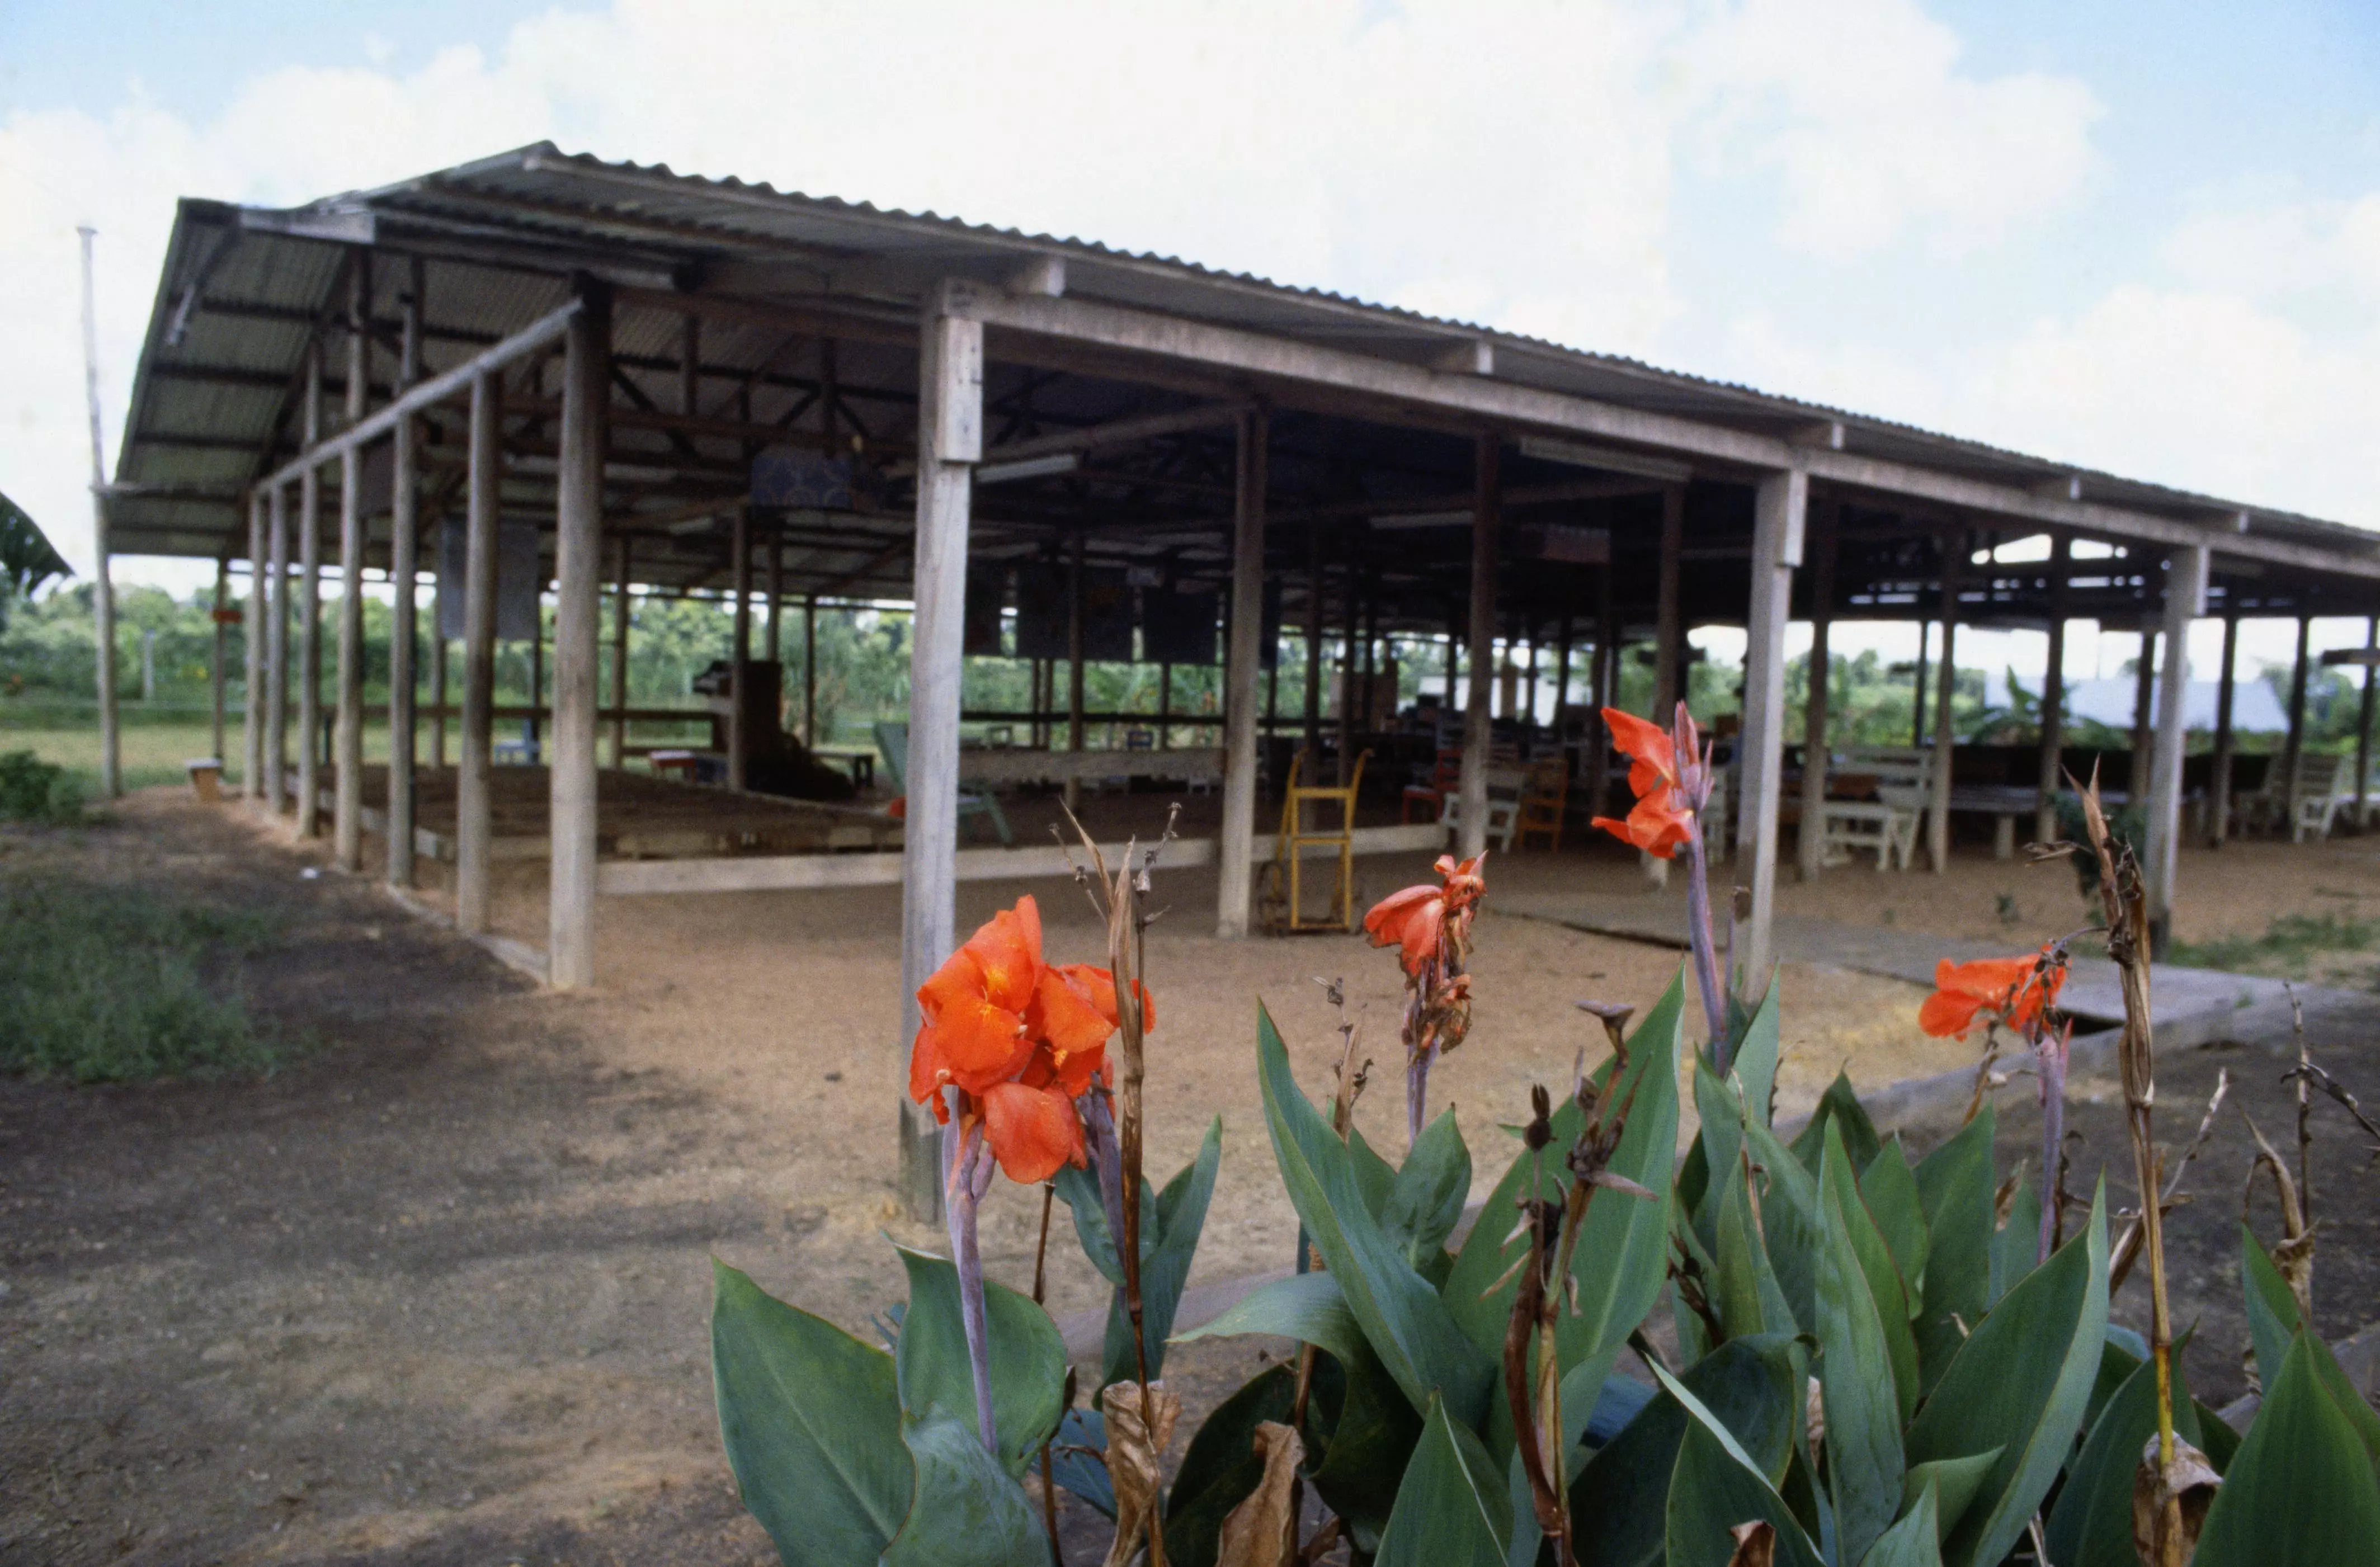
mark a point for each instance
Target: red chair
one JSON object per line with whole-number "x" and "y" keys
{"x": 1445, "y": 778}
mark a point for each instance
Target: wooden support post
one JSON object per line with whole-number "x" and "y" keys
{"x": 218, "y": 678}
{"x": 1779, "y": 512}
{"x": 251, "y": 773}
{"x": 620, "y": 611}
{"x": 577, "y": 623}
{"x": 438, "y": 675}
{"x": 1164, "y": 706}
{"x": 1315, "y": 604}
{"x": 1350, "y": 611}
{"x": 1241, "y": 661}
{"x": 1668, "y": 642}
{"x": 740, "y": 653}
{"x": 2300, "y": 678}
{"x": 1605, "y": 673}
{"x": 2364, "y": 722}
{"x": 2053, "y": 693}
{"x": 2143, "y": 710}
{"x": 348, "y": 783}
{"x": 773, "y": 586}
{"x": 1479, "y": 728}
{"x": 310, "y": 610}
{"x": 1561, "y": 669}
{"x": 1816, "y": 753}
{"x": 473, "y": 824}
{"x": 537, "y": 709}
{"x": 1918, "y": 690}
{"x": 809, "y": 671}
{"x": 949, "y": 442}
{"x": 1075, "y": 570}
{"x": 404, "y": 618}
{"x": 2218, "y": 826}
{"x": 1946, "y": 684}
{"x": 276, "y": 655}
{"x": 103, "y": 603}
{"x": 2185, "y": 596}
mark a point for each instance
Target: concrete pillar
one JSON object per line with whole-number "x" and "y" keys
{"x": 1075, "y": 735}
{"x": 2363, "y": 720}
{"x": 252, "y": 773}
{"x": 276, "y": 655}
{"x": 809, "y": 671}
{"x": 404, "y": 571}
{"x": 2053, "y": 692}
{"x": 1241, "y": 661}
{"x": 1816, "y": 754}
{"x": 1946, "y": 678}
{"x": 2218, "y": 826}
{"x": 1314, "y": 614}
{"x": 2143, "y": 720}
{"x": 1478, "y": 732}
{"x": 2185, "y": 596}
{"x": 949, "y": 442}
{"x": 348, "y": 754}
{"x": 309, "y": 610}
{"x": 577, "y": 621}
{"x": 1780, "y": 508}
{"x": 2300, "y": 678}
{"x": 472, "y": 818}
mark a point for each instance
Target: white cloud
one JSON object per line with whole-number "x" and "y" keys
{"x": 1521, "y": 163}
{"x": 1860, "y": 107}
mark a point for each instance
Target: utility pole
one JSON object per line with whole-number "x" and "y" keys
{"x": 111, "y": 751}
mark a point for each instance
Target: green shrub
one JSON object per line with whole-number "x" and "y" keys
{"x": 100, "y": 982}
{"x": 34, "y": 790}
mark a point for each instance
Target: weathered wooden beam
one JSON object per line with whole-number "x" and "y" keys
{"x": 276, "y": 644}
{"x": 1241, "y": 657}
{"x": 2185, "y": 598}
{"x": 2053, "y": 692}
{"x": 1478, "y": 726}
{"x": 950, "y": 441}
{"x": 252, "y": 773}
{"x": 404, "y": 567}
{"x": 309, "y": 612}
{"x": 1816, "y": 754}
{"x": 348, "y": 751}
{"x": 473, "y": 814}
{"x": 578, "y": 576}
{"x": 1780, "y": 507}
{"x": 1945, "y": 681}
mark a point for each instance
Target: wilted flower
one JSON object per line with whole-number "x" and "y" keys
{"x": 1430, "y": 928}
{"x": 2013, "y": 990}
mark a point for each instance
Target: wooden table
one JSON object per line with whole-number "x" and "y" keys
{"x": 994, "y": 765}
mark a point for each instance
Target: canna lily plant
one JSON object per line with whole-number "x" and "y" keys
{"x": 1871, "y": 1367}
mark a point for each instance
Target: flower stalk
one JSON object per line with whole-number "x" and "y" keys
{"x": 1430, "y": 928}
{"x": 1670, "y": 773}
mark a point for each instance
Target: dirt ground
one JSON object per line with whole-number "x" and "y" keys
{"x": 438, "y": 1292}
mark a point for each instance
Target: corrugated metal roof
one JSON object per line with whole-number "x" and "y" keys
{"x": 243, "y": 290}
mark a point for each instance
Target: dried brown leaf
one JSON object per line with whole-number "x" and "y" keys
{"x": 1755, "y": 1544}
{"x": 1262, "y": 1530}
{"x": 2168, "y": 1507}
{"x": 1140, "y": 1423}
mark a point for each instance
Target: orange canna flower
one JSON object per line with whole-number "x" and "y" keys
{"x": 2013, "y": 990}
{"x": 1019, "y": 1039}
{"x": 1414, "y": 920}
{"x": 1661, "y": 822}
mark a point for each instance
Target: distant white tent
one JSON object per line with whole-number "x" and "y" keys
{"x": 2254, "y": 709}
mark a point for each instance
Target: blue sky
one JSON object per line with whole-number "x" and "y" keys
{"x": 2139, "y": 237}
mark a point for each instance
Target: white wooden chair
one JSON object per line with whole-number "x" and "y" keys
{"x": 1504, "y": 786}
{"x": 1886, "y": 826}
{"x": 2314, "y": 797}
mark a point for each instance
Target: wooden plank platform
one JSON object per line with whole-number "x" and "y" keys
{"x": 637, "y": 817}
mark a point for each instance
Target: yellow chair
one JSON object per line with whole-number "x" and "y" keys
{"x": 1282, "y": 905}
{"x": 1543, "y": 796}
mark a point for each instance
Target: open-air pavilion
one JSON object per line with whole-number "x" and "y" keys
{"x": 677, "y": 384}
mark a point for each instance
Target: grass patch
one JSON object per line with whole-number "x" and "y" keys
{"x": 2286, "y": 949}
{"x": 106, "y": 983}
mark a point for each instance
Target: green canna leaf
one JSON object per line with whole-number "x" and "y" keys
{"x": 1856, "y": 1373}
{"x": 1889, "y": 1188}
{"x": 1372, "y": 1429}
{"x": 1838, "y": 1107}
{"x": 811, "y": 1419}
{"x": 2091, "y": 1525}
{"x": 2016, "y": 1245}
{"x": 2301, "y": 1488}
{"x": 1221, "y": 1467}
{"x": 1753, "y": 1064}
{"x": 2274, "y": 1322}
{"x": 1168, "y": 1245}
{"x": 1309, "y": 1307}
{"x": 1027, "y": 1356}
{"x": 1425, "y": 1196}
{"x": 1715, "y": 1485}
{"x": 1954, "y": 1189}
{"x": 2021, "y": 1382}
{"x": 1954, "y": 1482}
{"x": 1404, "y": 1321}
{"x": 1789, "y": 1221}
{"x": 1453, "y": 1507}
{"x": 964, "y": 1511}
{"x": 1841, "y": 1194}
{"x": 1913, "y": 1542}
